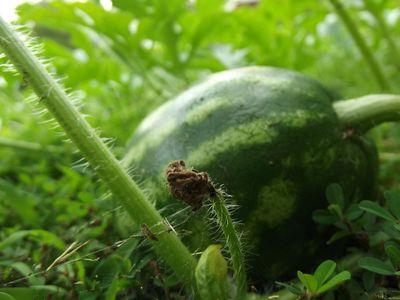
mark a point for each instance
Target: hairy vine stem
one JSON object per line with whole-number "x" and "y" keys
{"x": 53, "y": 96}
{"x": 233, "y": 241}
{"x": 362, "y": 45}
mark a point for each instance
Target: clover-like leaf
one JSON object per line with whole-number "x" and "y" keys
{"x": 338, "y": 235}
{"x": 309, "y": 281}
{"x": 336, "y": 210}
{"x": 294, "y": 289}
{"x": 393, "y": 201}
{"x": 334, "y": 282}
{"x": 353, "y": 212}
{"x": 376, "y": 209}
{"x": 393, "y": 252}
{"x": 376, "y": 265}
{"x": 324, "y": 217}
{"x": 334, "y": 194}
{"x": 324, "y": 271}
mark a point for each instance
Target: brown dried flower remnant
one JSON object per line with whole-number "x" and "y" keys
{"x": 189, "y": 185}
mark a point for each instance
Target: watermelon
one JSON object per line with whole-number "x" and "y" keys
{"x": 272, "y": 138}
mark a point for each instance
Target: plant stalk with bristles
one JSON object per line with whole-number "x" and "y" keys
{"x": 53, "y": 96}
{"x": 233, "y": 241}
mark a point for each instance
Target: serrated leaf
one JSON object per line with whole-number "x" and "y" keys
{"x": 309, "y": 281}
{"x": 376, "y": 265}
{"x": 334, "y": 194}
{"x": 335, "y": 281}
{"x": 376, "y": 209}
{"x": 324, "y": 271}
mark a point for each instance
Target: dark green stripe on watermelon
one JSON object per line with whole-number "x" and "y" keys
{"x": 272, "y": 138}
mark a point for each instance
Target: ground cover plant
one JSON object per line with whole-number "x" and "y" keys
{"x": 192, "y": 230}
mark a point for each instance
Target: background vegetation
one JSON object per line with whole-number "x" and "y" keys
{"x": 123, "y": 63}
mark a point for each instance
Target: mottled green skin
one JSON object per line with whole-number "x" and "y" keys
{"x": 272, "y": 138}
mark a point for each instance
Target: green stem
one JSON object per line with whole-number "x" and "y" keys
{"x": 371, "y": 7}
{"x": 52, "y": 95}
{"x": 368, "y": 111}
{"x": 24, "y": 145}
{"x": 233, "y": 241}
{"x": 362, "y": 45}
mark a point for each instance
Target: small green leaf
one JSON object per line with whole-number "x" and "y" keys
{"x": 393, "y": 252}
{"x": 309, "y": 281}
{"x": 337, "y": 236}
{"x": 353, "y": 212}
{"x": 375, "y": 265}
{"x": 335, "y": 281}
{"x": 294, "y": 289}
{"x": 334, "y": 194}
{"x": 376, "y": 209}
{"x": 212, "y": 274}
{"x": 336, "y": 210}
{"x": 324, "y": 217}
{"x": 324, "y": 271}
{"x": 368, "y": 279}
{"x": 393, "y": 202}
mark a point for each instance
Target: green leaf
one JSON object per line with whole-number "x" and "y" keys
{"x": 396, "y": 226}
{"x": 335, "y": 281}
{"x": 376, "y": 209}
{"x": 294, "y": 289}
{"x": 334, "y": 194}
{"x": 35, "y": 292}
{"x": 4, "y": 296}
{"x": 212, "y": 274}
{"x": 40, "y": 235}
{"x": 324, "y": 217}
{"x": 324, "y": 271}
{"x": 393, "y": 201}
{"x": 353, "y": 212}
{"x": 336, "y": 210}
{"x": 368, "y": 279}
{"x": 376, "y": 265}
{"x": 309, "y": 281}
{"x": 393, "y": 252}
{"x": 337, "y": 236}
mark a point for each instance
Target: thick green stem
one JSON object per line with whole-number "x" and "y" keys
{"x": 368, "y": 111}
{"x": 362, "y": 45}
{"x": 52, "y": 95}
{"x": 233, "y": 241}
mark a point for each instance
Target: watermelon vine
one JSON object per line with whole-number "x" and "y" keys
{"x": 368, "y": 111}
{"x": 53, "y": 96}
{"x": 233, "y": 241}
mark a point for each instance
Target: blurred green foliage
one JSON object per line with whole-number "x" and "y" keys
{"x": 125, "y": 62}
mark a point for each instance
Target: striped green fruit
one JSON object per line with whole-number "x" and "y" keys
{"x": 273, "y": 139}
